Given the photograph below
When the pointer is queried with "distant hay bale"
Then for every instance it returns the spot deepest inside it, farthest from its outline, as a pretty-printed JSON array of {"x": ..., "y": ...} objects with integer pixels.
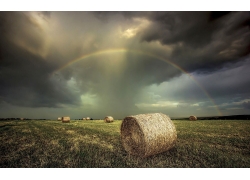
[
  {"x": 192, "y": 118},
  {"x": 148, "y": 134},
  {"x": 108, "y": 119},
  {"x": 87, "y": 118},
  {"x": 21, "y": 118},
  {"x": 83, "y": 118},
  {"x": 65, "y": 119},
  {"x": 59, "y": 118}
]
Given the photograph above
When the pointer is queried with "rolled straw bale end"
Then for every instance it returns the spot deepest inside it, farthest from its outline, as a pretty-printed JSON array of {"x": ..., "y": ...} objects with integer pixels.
[
  {"x": 192, "y": 118},
  {"x": 148, "y": 134},
  {"x": 108, "y": 119},
  {"x": 65, "y": 119}
]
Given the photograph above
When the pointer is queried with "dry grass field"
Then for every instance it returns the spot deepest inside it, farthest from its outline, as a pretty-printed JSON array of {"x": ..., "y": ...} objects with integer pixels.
[{"x": 95, "y": 144}]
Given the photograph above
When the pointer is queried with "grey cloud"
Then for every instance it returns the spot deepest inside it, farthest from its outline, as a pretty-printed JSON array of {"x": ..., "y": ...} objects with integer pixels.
[
  {"x": 200, "y": 42},
  {"x": 25, "y": 74},
  {"x": 204, "y": 41},
  {"x": 217, "y": 14},
  {"x": 204, "y": 44},
  {"x": 227, "y": 88},
  {"x": 118, "y": 91},
  {"x": 232, "y": 82},
  {"x": 174, "y": 27},
  {"x": 246, "y": 105},
  {"x": 183, "y": 105},
  {"x": 21, "y": 30},
  {"x": 45, "y": 14},
  {"x": 223, "y": 87}
]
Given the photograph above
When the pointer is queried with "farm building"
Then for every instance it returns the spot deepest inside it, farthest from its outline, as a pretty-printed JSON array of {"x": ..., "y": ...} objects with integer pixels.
[{"x": 192, "y": 118}]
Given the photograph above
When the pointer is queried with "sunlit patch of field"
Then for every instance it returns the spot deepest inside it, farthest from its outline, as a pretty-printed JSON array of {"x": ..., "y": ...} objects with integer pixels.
[{"x": 51, "y": 143}]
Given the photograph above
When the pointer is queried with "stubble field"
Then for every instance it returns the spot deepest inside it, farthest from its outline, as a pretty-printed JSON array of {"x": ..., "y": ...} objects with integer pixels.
[{"x": 95, "y": 144}]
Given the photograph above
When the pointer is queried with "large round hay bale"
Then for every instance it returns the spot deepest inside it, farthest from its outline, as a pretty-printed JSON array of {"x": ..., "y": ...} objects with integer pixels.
[
  {"x": 87, "y": 118},
  {"x": 108, "y": 119},
  {"x": 65, "y": 119},
  {"x": 192, "y": 118},
  {"x": 148, "y": 134}
]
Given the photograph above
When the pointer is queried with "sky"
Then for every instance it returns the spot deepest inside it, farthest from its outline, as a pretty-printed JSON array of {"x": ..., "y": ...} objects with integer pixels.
[{"x": 121, "y": 63}]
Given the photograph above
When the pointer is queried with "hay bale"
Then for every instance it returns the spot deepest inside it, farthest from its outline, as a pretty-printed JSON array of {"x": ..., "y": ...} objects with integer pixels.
[
  {"x": 87, "y": 118},
  {"x": 192, "y": 118},
  {"x": 108, "y": 119},
  {"x": 59, "y": 118},
  {"x": 83, "y": 118},
  {"x": 148, "y": 134},
  {"x": 65, "y": 119}
]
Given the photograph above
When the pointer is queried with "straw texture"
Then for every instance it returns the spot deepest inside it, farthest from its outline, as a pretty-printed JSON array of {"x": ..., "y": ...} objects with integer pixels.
[
  {"x": 65, "y": 119},
  {"x": 192, "y": 118},
  {"x": 108, "y": 119},
  {"x": 148, "y": 134}
]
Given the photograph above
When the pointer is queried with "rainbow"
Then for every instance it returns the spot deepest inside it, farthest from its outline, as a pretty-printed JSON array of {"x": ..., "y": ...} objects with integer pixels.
[
  {"x": 90, "y": 55},
  {"x": 122, "y": 50}
]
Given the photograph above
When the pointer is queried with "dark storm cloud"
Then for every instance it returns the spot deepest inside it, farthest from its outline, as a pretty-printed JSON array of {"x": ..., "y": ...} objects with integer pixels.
[
  {"x": 233, "y": 82},
  {"x": 228, "y": 89},
  {"x": 204, "y": 40},
  {"x": 45, "y": 14},
  {"x": 117, "y": 92},
  {"x": 228, "y": 85},
  {"x": 35, "y": 45},
  {"x": 24, "y": 73},
  {"x": 246, "y": 105},
  {"x": 217, "y": 14}
]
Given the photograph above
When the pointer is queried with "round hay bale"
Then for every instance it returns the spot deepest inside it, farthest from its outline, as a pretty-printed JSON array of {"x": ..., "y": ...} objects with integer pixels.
[
  {"x": 108, "y": 119},
  {"x": 192, "y": 118},
  {"x": 65, "y": 119},
  {"x": 148, "y": 134},
  {"x": 87, "y": 118},
  {"x": 83, "y": 118},
  {"x": 59, "y": 119}
]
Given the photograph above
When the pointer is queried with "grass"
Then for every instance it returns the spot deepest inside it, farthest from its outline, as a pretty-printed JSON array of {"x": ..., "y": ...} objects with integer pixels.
[{"x": 95, "y": 144}]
